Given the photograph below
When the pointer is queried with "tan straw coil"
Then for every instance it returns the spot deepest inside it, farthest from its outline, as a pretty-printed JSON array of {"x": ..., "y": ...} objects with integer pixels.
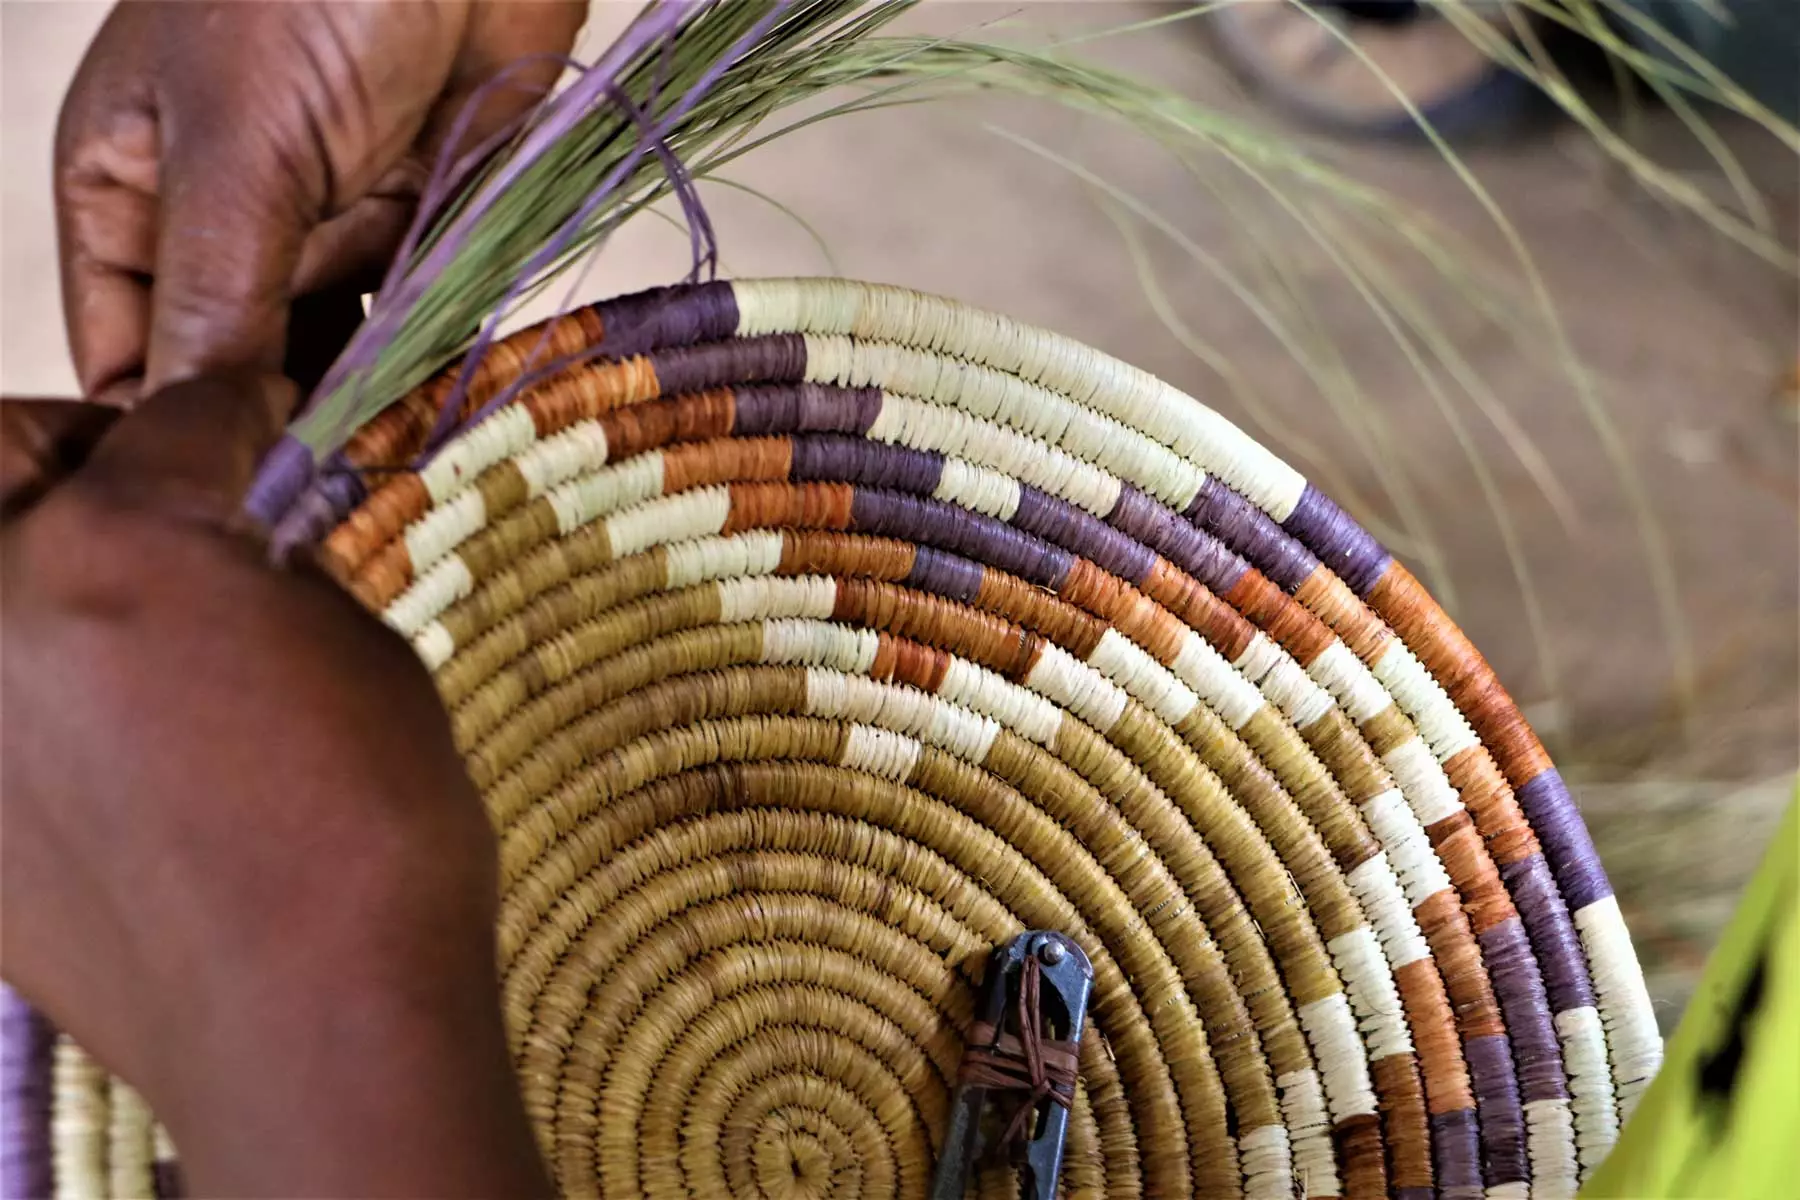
[{"x": 809, "y": 638}]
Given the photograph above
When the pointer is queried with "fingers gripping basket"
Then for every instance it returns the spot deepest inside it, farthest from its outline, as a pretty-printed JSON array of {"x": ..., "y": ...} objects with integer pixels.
[{"x": 818, "y": 636}]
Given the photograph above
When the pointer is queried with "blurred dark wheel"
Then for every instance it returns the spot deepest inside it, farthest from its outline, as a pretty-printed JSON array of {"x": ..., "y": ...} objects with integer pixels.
[{"x": 1295, "y": 55}]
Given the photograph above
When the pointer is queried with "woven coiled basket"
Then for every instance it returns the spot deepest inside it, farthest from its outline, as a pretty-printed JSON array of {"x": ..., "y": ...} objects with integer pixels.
[{"x": 815, "y": 637}]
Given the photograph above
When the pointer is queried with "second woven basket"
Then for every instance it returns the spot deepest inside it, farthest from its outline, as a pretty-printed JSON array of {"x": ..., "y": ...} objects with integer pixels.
[{"x": 815, "y": 637}]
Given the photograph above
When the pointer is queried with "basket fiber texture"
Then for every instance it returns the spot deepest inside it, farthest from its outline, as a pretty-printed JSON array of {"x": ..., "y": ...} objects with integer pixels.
[{"x": 812, "y": 637}]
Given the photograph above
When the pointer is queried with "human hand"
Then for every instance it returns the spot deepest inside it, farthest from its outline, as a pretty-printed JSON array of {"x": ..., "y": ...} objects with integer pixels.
[
  {"x": 216, "y": 159},
  {"x": 242, "y": 864}
]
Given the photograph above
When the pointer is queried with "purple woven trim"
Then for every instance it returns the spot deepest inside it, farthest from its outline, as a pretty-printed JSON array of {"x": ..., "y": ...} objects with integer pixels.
[
  {"x": 1341, "y": 544},
  {"x": 1567, "y": 844},
  {"x": 165, "y": 1176},
  {"x": 26, "y": 1040},
  {"x": 760, "y": 409},
  {"x": 1082, "y": 534},
  {"x": 778, "y": 358},
  {"x": 1536, "y": 1054},
  {"x": 1158, "y": 527},
  {"x": 947, "y": 575},
  {"x": 1497, "y": 1100},
  {"x": 663, "y": 318},
  {"x": 285, "y": 472},
  {"x": 1251, "y": 532},
  {"x": 1456, "y": 1154},
  {"x": 838, "y": 459},
  {"x": 912, "y": 519},
  {"x": 334, "y": 494},
  {"x": 1552, "y": 933}
]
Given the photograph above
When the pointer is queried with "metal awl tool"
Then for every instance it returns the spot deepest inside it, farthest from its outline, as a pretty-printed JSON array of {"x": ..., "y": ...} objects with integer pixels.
[{"x": 1019, "y": 1066}]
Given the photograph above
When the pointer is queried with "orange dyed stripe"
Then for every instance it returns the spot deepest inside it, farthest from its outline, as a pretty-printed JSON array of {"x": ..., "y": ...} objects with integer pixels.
[
  {"x": 697, "y": 417},
  {"x": 804, "y": 506},
  {"x": 729, "y": 460}
]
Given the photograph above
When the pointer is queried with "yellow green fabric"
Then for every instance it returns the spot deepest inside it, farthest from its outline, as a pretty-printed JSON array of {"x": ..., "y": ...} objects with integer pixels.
[{"x": 1723, "y": 1117}]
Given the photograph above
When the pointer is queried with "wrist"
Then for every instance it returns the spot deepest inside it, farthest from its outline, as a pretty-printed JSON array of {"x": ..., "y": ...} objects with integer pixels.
[{"x": 348, "y": 1088}]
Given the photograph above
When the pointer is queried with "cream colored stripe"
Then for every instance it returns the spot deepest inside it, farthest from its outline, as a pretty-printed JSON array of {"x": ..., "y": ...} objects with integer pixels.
[
  {"x": 131, "y": 1146},
  {"x": 881, "y": 752},
  {"x": 1127, "y": 394},
  {"x": 977, "y": 489},
  {"x": 502, "y": 434},
  {"x": 1550, "y": 1144},
  {"x": 577, "y": 450},
  {"x": 1373, "y": 996},
  {"x": 1204, "y": 669},
  {"x": 1402, "y": 836},
  {"x": 444, "y": 528},
  {"x": 1596, "y": 1116},
  {"x": 1378, "y": 889},
  {"x": 607, "y": 490},
  {"x": 1303, "y": 1112},
  {"x": 676, "y": 518},
  {"x": 1635, "y": 1045},
  {"x": 919, "y": 425},
  {"x": 755, "y": 598},
  {"x": 1010, "y": 401},
  {"x": 1152, "y": 684},
  {"x": 1342, "y": 1058},
  {"x": 1421, "y": 778},
  {"x": 1440, "y": 722},
  {"x": 79, "y": 1119},
  {"x": 800, "y": 642},
  {"x": 956, "y": 730},
  {"x": 731, "y": 556},
  {"x": 1341, "y": 673},
  {"x": 1267, "y": 1163}
]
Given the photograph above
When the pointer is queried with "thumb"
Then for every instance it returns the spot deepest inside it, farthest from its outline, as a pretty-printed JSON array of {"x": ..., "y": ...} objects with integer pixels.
[{"x": 192, "y": 449}]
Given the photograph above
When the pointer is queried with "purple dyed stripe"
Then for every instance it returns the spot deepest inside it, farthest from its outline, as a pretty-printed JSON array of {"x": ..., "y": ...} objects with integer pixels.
[
  {"x": 1456, "y": 1153},
  {"x": 1082, "y": 534},
  {"x": 909, "y": 518},
  {"x": 283, "y": 475},
  {"x": 661, "y": 318},
  {"x": 760, "y": 409},
  {"x": 1497, "y": 1100},
  {"x": 1252, "y": 533},
  {"x": 1567, "y": 844},
  {"x": 1157, "y": 526},
  {"x": 840, "y": 459},
  {"x": 165, "y": 1176},
  {"x": 945, "y": 574},
  {"x": 1536, "y": 1054},
  {"x": 26, "y": 1040},
  {"x": 1552, "y": 933},
  {"x": 334, "y": 494},
  {"x": 1341, "y": 544},
  {"x": 778, "y": 358}
]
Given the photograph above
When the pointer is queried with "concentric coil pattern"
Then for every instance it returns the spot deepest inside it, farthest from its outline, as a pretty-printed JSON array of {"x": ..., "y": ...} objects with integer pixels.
[{"x": 810, "y": 638}]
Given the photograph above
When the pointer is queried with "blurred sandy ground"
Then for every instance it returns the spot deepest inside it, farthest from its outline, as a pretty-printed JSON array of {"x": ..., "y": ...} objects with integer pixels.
[{"x": 1686, "y": 341}]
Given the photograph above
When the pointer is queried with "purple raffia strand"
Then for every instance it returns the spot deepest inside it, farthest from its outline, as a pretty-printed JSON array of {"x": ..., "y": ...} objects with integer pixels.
[
  {"x": 702, "y": 242},
  {"x": 448, "y": 173},
  {"x": 291, "y": 466},
  {"x": 559, "y": 114},
  {"x": 447, "y": 423},
  {"x": 25, "y": 1048},
  {"x": 700, "y": 232}
]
